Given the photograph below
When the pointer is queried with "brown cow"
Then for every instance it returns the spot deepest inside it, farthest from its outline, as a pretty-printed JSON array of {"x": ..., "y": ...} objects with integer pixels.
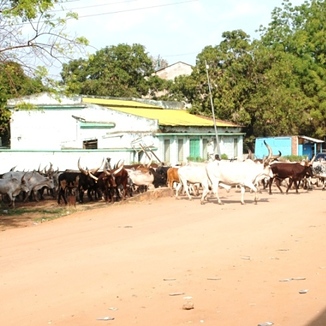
[
  {"x": 172, "y": 176},
  {"x": 294, "y": 171}
]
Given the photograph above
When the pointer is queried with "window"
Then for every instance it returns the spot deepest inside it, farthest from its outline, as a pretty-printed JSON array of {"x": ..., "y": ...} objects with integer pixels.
[
  {"x": 194, "y": 148},
  {"x": 180, "y": 150},
  {"x": 167, "y": 150},
  {"x": 90, "y": 144},
  {"x": 235, "y": 148}
]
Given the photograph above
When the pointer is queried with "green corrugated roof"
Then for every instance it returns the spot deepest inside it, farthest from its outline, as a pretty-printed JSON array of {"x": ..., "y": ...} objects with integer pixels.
[{"x": 166, "y": 117}]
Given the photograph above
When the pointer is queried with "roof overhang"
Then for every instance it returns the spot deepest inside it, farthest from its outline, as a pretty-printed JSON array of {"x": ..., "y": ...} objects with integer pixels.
[
  {"x": 89, "y": 124},
  {"x": 313, "y": 140}
]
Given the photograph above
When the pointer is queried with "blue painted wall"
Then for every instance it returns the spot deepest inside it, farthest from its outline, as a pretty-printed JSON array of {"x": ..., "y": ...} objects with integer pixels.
[{"x": 283, "y": 144}]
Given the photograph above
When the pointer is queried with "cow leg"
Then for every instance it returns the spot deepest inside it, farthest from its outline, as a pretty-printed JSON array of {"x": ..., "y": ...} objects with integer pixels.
[
  {"x": 11, "y": 200},
  {"x": 253, "y": 189},
  {"x": 296, "y": 184},
  {"x": 186, "y": 188},
  {"x": 214, "y": 188},
  {"x": 270, "y": 181},
  {"x": 61, "y": 194},
  {"x": 178, "y": 187},
  {"x": 205, "y": 192},
  {"x": 290, "y": 184},
  {"x": 324, "y": 183},
  {"x": 278, "y": 184}
]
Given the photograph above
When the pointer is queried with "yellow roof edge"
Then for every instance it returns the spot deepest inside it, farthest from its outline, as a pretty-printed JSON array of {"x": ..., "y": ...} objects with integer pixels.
[{"x": 120, "y": 103}]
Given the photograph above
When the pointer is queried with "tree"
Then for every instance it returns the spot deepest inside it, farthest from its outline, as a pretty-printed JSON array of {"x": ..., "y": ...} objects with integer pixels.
[
  {"x": 300, "y": 31},
  {"x": 14, "y": 83},
  {"x": 119, "y": 71},
  {"x": 272, "y": 86},
  {"x": 30, "y": 31},
  {"x": 32, "y": 39}
]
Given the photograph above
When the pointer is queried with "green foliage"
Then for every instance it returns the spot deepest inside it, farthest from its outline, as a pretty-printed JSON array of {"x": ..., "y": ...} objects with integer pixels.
[
  {"x": 31, "y": 29},
  {"x": 14, "y": 83},
  {"x": 294, "y": 158},
  {"x": 118, "y": 71},
  {"x": 195, "y": 159},
  {"x": 272, "y": 86},
  {"x": 224, "y": 157}
]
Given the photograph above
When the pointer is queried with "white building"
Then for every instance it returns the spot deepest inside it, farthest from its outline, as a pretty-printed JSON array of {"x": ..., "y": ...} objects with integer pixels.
[
  {"x": 60, "y": 130},
  {"x": 174, "y": 70}
]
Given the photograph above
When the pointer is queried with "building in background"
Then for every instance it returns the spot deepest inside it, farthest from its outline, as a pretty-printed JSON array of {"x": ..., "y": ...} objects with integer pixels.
[{"x": 61, "y": 130}]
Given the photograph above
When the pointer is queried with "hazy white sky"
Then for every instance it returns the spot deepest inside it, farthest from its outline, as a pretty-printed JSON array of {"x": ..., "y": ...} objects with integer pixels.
[{"x": 176, "y": 30}]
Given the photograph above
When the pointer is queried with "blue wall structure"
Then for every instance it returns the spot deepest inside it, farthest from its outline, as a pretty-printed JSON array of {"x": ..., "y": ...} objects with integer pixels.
[
  {"x": 308, "y": 146},
  {"x": 282, "y": 144}
]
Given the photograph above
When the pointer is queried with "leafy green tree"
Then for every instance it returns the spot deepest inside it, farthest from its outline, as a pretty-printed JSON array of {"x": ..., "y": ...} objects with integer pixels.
[
  {"x": 272, "y": 86},
  {"x": 32, "y": 38},
  {"x": 14, "y": 83},
  {"x": 119, "y": 71},
  {"x": 300, "y": 31}
]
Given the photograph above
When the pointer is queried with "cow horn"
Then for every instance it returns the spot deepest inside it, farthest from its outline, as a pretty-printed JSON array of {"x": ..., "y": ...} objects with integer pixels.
[
  {"x": 81, "y": 169},
  {"x": 120, "y": 167},
  {"x": 312, "y": 160},
  {"x": 13, "y": 168},
  {"x": 95, "y": 170},
  {"x": 107, "y": 172},
  {"x": 270, "y": 152},
  {"x": 276, "y": 157},
  {"x": 92, "y": 176}
]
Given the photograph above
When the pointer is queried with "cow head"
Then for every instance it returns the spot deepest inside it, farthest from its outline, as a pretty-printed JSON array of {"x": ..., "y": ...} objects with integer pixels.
[{"x": 111, "y": 173}]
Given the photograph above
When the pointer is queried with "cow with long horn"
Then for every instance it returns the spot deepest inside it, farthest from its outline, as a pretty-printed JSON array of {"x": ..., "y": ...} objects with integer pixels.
[
  {"x": 107, "y": 183},
  {"x": 295, "y": 172}
]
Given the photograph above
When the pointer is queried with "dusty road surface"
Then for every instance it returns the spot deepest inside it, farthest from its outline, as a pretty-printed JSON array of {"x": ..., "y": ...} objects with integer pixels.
[{"x": 142, "y": 263}]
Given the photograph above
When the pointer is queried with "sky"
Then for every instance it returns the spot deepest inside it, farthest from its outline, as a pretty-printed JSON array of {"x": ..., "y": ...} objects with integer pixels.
[{"x": 174, "y": 30}]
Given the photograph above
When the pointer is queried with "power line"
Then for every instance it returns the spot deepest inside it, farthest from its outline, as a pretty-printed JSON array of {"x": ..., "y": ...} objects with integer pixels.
[
  {"x": 93, "y": 6},
  {"x": 136, "y": 9}
]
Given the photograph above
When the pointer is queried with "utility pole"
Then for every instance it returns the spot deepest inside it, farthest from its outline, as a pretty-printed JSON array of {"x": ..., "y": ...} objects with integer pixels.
[{"x": 212, "y": 107}]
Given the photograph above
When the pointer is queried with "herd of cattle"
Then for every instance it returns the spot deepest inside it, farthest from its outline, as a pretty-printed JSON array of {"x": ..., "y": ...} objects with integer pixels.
[{"x": 121, "y": 181}]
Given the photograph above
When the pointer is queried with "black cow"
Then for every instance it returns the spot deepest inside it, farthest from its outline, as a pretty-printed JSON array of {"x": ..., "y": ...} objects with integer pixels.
[
  {"x": 160, "y": 176},
  {"x": 71, "y": 181}
]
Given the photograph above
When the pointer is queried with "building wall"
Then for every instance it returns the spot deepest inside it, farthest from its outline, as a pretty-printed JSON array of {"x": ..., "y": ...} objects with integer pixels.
[
  {"x": 55, "y": 134},
  {"x": 283, "y": 144},
  {"x": 230, "y": 145},
  {"x": 54, "y": 129},
  {"x": 175, "y": 70}
]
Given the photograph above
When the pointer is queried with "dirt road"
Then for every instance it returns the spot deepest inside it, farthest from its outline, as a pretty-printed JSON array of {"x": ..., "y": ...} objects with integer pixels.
[{"x": 141, "y": 262}]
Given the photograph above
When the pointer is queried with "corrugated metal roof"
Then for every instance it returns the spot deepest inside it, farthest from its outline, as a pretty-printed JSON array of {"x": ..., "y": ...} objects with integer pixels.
[{"x": 166, "y": 117}]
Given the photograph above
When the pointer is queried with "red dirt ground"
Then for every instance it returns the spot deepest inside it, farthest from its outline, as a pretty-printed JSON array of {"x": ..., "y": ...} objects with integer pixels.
[{"x": 140, "y": 262}]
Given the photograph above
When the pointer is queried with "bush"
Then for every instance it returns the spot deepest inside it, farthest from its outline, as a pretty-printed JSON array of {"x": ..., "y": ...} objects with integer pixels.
[
  {"x": 195, "y": 159},
  {"x": 294, "y": 158},
  {"x": 224, "y": 157}
]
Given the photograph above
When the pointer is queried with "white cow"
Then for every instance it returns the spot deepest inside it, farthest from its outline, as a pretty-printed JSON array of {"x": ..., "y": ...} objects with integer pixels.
[
  {"x": 195, "y": 174},
  {"x": 12, "y": 187},
  {"x": 34, "y": 181},
  {"x": 244, "y": 174},
  {"x": 141, "y": 178}
]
